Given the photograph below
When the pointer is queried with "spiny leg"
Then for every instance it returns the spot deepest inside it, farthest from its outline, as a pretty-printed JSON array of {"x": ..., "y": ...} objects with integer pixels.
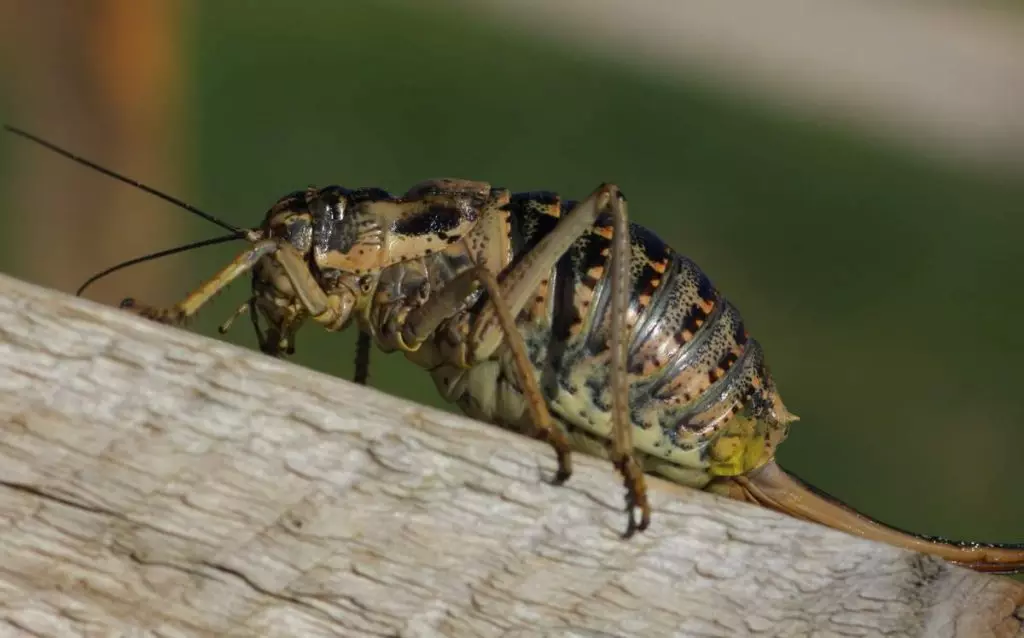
[
  {"x": 186, "y": 308},
  {"x": 519, "y": 285},
  {"x": 423, "y": 321},
  {"x": 622, "y": 427},
  {"x": 330, "y": 310}
]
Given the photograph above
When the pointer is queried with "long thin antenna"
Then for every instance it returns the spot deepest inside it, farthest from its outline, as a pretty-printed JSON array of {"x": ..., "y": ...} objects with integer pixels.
[
  {"x": 106, "y": 171},
  {"x": 163, "y": 253}
]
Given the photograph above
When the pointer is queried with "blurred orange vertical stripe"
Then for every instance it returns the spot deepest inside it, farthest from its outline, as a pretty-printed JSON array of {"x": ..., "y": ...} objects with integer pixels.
[{"x": 104, "y": 79}]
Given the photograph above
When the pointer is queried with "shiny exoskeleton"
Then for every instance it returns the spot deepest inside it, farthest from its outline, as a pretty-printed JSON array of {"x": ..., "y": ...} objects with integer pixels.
[
  {"x": 420, "y": 272},
  {"x": 552, "y": 317},
  {"x": 701, "y": 399},
  {"x": 509, "y": 300}
]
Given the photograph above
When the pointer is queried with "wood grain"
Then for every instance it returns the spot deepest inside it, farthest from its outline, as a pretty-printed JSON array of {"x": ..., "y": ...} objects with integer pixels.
[{"x": 155, "y": 482}]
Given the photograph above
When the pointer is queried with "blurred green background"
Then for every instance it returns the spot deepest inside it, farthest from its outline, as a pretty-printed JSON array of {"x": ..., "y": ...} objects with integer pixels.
[{"x": 884, "y": 285}]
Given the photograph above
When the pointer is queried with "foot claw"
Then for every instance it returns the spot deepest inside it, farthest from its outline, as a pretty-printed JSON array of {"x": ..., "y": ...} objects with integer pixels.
[
  {"x": 636, "y": 497},
  {"x": 564, "y": 468},
  {"x": 172, "y": 316},
  {"x": 562, "y": 452},
  {"x": 561, "y": 476}
]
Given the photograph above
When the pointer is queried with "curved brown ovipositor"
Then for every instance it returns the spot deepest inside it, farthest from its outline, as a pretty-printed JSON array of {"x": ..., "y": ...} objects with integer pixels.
[{"x": 772, "y": 487}]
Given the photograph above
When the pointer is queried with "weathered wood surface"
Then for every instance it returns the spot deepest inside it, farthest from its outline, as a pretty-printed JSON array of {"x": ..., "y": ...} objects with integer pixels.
[{"x": 159, "y": 483}]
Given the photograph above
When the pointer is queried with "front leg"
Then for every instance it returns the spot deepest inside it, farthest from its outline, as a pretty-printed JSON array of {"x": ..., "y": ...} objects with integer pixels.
[
  {"x": 285, "y": 311},
  {"x": 190, "y": 305}
]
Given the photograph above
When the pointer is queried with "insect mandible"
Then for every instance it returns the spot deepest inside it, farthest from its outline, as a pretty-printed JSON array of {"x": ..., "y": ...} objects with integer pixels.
[{"x": 556, "y": 318}]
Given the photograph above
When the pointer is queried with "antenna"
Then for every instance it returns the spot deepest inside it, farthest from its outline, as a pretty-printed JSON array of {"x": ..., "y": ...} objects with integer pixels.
[
  {"x": 106, "y": 171},
  {"x": 163, "y": 253},
  {"x": 236, "y": 232}
]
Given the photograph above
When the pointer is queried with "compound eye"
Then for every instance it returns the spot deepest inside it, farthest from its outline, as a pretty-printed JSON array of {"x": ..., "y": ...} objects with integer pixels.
[{"x": 299, "y": 233}]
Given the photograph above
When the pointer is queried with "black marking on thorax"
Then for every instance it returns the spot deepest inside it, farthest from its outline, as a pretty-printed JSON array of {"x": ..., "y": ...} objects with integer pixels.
[{"x": 437, "y": 219}]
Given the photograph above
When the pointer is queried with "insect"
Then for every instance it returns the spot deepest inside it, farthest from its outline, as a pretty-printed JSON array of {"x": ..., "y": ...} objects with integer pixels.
[{"x": 556, "y": 318}]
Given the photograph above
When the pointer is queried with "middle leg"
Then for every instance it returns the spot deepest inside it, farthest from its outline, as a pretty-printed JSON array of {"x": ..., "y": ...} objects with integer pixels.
[
  {"x": 421, "y": 323},
  {"x": 517, "y": 288}
]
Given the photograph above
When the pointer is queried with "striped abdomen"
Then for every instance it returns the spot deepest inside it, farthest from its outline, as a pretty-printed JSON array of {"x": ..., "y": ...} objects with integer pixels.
[{"x": 701, "y": 397}]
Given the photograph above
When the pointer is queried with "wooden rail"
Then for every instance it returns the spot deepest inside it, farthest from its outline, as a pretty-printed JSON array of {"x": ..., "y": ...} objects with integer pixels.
[{"x": 156, "y": 482}]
